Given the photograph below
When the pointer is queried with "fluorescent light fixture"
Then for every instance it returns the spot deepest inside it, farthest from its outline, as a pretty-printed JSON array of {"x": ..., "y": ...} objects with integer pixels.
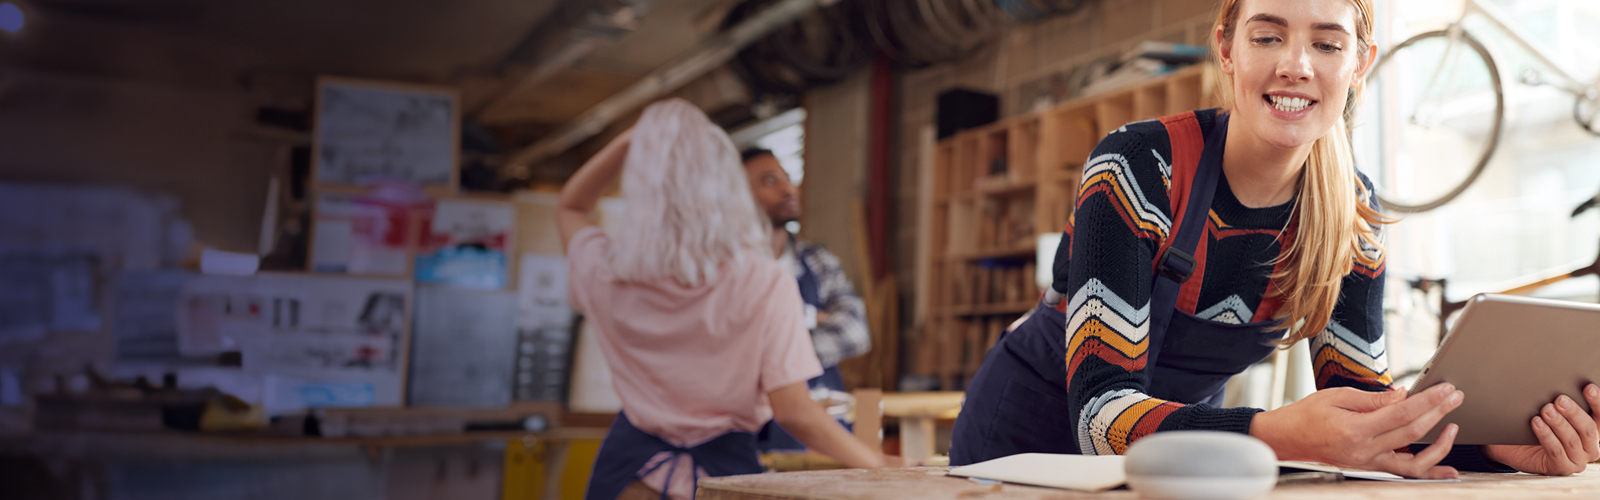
[{"x": 10, "y": 17}]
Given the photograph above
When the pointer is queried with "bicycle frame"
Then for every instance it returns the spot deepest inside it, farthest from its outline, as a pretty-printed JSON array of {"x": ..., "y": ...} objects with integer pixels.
[{"x": 1487, "y": 12}]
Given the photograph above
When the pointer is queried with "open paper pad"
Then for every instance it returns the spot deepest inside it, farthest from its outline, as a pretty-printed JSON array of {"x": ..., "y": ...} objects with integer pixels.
[
  {"x": 1292, "y": 466},
  {"x": 1100, "y": 473},
  {"x": 1073, "y": 472}
]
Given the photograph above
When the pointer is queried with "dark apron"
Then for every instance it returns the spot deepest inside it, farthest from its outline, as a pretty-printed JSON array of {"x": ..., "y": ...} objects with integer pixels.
[
  {"x": 1018, "y": 400},
  {"x": 626, "y": 450},
  {"x": 772, "y": 436}
]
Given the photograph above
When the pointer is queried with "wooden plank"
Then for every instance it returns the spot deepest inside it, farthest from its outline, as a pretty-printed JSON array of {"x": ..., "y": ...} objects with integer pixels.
[
  {"x": 1183, "y": 94},
  {"x": 1150, "y": 101},
  {"x": 1113, "y": 112},
  {"x": 1023, "y": 157},
  {"x": 888, "y": 344},
  {"x": 937, "y": 404},
  {"x": 924, "y": 254}
]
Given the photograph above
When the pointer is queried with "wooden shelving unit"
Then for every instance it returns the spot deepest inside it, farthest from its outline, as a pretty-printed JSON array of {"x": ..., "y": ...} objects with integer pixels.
[{"x": 996, "y": 189}]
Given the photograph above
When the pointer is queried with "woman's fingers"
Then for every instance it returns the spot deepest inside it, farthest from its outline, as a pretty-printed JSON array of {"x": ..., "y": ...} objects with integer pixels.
[
  {"x": 1357, "y": 400},
  {"x": 1591, "y": 393},
  {"x": 1435, "y": 452},
  {"x": 1423, "y": 464},
  {"x": 1441, "y": 472},
  {"x": 1405, "y": 422},
  {"x": 1547, "y": 439},
  {"x": 1583, "y": 425},
  {"x": 1571, "y": 444}
]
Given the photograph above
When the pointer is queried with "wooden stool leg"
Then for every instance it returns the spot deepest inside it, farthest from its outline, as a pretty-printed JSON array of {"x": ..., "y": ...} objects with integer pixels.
[
  {"x": 555, "y": 462},
  {"x": 916, "y": 438},
  {"x": 869, "y": 417}
]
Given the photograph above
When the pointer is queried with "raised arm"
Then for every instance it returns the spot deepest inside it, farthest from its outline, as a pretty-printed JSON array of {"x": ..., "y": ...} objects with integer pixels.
[{"x": 582, "y": 191}]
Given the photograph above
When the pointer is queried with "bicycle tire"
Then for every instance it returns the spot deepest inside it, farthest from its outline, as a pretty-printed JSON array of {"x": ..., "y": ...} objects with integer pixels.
[
  {"x": 1586, "y": 111},
  {"x": 1494, "y": 134}
]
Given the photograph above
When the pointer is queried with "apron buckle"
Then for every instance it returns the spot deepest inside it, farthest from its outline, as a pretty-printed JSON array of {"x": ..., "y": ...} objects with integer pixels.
[{"x": 1177, "y": 265}]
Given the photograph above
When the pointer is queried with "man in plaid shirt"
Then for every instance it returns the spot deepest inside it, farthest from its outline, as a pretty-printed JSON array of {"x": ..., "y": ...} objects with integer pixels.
[{"x": 835, "y": 315}]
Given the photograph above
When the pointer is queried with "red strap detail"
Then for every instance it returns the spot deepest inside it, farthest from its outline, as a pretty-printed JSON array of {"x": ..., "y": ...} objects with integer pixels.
[
  {"x": 1183, "y": 132},
  {"x": 1189, "y": 293}
]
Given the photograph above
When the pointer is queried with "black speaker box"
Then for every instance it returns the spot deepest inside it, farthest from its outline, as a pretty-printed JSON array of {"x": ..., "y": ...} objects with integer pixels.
[{"x": 960, "y": 109}]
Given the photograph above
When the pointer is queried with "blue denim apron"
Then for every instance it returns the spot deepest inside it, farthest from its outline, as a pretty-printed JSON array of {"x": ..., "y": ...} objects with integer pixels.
[
  {"x": 626, "y": 450},
  {"x": 772, "y": 437},
  {"x": 1018, "y": 402}
]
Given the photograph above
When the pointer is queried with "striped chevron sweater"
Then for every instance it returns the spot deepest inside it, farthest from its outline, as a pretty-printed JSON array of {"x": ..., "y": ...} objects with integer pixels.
[{"x": 1103, "y": 271}]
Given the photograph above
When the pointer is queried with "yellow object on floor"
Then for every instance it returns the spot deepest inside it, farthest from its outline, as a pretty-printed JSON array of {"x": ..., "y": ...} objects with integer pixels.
[{"x": 527, "y": 469}]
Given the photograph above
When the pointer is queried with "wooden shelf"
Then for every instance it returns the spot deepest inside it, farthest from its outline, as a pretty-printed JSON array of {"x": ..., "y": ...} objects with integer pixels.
[
  {"x": 974, "y": 284},
  {"x": 999, "y": 253},
  {"x": 995, "y": 309},
  {"x": 1010, "y": 189}
]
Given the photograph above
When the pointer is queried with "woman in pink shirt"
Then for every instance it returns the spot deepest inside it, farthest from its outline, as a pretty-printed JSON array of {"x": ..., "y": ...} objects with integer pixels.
[{"x": 700, "y": 326}]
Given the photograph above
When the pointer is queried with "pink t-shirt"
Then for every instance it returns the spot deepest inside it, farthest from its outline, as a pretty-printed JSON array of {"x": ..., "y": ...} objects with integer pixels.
[{"x": 692, "y": 363}]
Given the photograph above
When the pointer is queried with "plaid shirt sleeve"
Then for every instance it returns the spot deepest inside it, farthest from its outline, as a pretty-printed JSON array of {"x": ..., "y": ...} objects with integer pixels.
[{"x": 843, "y": 334}]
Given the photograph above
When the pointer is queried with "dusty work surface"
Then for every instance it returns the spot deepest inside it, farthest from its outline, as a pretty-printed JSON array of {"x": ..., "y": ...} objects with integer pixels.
[{"x": 931, "y": 483}]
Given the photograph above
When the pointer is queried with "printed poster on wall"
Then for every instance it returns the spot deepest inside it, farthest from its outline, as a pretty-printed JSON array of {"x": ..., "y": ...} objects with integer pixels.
[
  {"x": 368, "y": 234},
  {"x": 467, "y": 245},
  {"x": 325, "y": 340},
  {"x": 370, "y": 132}
]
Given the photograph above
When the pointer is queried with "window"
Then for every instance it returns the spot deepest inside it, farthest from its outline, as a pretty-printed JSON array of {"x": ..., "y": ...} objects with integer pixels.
[{"x": 1513, "y": 224}]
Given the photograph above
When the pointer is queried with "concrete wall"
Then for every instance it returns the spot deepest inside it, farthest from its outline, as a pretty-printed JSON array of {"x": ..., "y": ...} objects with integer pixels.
[
  {"x": 835, "y": 181},
  {"x": 190, "y": 142}
]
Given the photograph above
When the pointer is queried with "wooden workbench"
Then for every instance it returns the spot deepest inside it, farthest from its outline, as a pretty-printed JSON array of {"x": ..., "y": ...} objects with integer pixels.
[
  {"x": 918, "y": 412},
  {"x": 65, "y": 448},
  {"x": 932, "y": 483}
]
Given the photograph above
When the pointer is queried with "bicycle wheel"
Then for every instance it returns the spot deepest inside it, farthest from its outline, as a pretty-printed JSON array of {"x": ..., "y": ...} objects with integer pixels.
[
  {"x": 1430, "y": 121},
  {"x": 1587, "y": 112}
]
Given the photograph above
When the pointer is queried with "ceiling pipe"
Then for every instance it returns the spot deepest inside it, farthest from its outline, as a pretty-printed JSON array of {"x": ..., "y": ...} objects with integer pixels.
[
  {"x": 706, "y": 56},
  {"x": 746, "y": 137},
  {"x": 594, "y": 29}
]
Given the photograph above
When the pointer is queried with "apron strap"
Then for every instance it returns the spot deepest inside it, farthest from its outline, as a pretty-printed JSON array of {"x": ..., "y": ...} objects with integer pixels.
[
  {"x": 672, "y": 470},
  {"x": 1196, "y": 166},
  {"x": 810, "y": 284}
]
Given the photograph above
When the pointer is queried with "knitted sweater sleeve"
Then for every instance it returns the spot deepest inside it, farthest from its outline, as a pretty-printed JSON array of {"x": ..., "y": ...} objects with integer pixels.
[{"x": 1122, "y": 216}]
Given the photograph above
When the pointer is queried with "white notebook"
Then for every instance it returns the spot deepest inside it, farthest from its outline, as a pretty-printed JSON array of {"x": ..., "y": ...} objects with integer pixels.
[
  {"x": 1100, "y": 473},
  {"x": 1072, "y": 472}
]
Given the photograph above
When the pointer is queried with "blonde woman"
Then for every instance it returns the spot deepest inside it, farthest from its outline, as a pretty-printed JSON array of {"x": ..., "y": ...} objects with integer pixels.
[
  {"x": 1198, "y": 241},
  {"x": 700, "y": 326}
]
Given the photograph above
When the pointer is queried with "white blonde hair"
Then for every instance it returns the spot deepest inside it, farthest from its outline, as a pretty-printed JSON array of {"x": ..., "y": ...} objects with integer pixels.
[{"x": 688, "y": 209}]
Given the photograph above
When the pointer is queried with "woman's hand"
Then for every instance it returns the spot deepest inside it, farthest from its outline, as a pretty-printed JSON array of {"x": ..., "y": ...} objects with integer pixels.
[
  {"x": 1568, "y": 439},
  {"x": 1354, "y": 428},
  {"x": 582, "y": 191}
]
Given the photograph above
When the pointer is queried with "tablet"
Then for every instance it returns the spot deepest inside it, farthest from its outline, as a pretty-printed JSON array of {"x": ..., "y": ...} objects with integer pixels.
[{"x": 1511, "y": 356}]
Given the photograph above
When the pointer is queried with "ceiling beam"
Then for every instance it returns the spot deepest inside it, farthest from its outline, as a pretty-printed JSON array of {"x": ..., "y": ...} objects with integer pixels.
[
  {"x": 582, "y": 27},
  {"x": 708, "y": 54}
]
